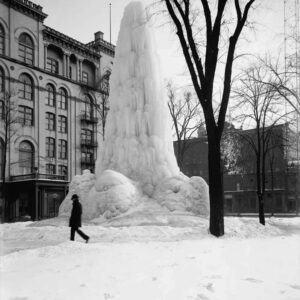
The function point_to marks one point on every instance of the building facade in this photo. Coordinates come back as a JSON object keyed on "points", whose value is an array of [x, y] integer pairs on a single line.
{"points": [[282, 182], [54, 87]]}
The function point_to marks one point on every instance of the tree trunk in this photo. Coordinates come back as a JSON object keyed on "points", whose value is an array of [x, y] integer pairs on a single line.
{"points": [[261, 209], [272, 189], [216, 226]]}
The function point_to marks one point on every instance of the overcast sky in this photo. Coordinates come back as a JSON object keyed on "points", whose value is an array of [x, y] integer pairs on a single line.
{"points": [[80, 19]]}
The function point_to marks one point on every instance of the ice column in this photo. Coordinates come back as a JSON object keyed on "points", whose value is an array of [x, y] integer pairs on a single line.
{"points": [[138, 140]]}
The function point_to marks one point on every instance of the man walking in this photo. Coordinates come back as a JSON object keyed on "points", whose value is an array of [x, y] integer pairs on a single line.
{"points": [[75, 219]]}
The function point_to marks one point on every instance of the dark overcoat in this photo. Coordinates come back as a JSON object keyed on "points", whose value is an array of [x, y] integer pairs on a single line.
{"points": [[75, 219]]}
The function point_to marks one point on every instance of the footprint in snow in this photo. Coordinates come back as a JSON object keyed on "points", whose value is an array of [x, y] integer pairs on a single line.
{"points": [[294, 286], [202, 297], [254, 280], [209, 287]]}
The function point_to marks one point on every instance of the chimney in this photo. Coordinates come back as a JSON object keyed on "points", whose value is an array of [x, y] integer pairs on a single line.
{"points": [[98, 36]]}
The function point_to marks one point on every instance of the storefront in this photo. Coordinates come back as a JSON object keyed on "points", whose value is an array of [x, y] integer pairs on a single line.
{"points": [[34, 199]]}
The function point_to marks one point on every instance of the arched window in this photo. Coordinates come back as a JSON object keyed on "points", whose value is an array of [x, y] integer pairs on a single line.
{"points": [[26, 157], [50, 97], [25, 87], [26, 49], [62, 99], [2, 40], [1, 156]]}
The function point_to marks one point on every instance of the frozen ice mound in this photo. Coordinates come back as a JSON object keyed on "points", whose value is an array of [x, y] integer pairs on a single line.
{"points": [[181, 193], [112, 194], [80, 185]]}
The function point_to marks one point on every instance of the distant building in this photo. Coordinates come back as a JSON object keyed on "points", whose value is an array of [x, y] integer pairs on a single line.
{"points": [[282, 174], [58, 84]]}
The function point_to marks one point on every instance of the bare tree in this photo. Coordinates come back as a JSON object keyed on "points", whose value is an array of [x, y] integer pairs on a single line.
{"points": [[231, 150], [259, 106], [103, 107], [9, 123], [186, 117], [202, 68]]}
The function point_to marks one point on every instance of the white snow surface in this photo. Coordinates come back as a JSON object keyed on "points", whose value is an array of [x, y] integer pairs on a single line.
{"points": [[180, 262]]}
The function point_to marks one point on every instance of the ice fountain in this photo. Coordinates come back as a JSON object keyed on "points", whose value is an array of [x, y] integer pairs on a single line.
{"points": [[136, 164]]}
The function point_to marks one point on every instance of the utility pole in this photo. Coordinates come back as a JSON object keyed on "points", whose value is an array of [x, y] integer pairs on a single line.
{"points": [[110, 23]]}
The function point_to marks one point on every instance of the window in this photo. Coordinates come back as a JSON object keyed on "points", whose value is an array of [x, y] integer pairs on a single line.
{"points": [[2, 112], [50, 98], [62, 124], [26, 157], [229, 204], [1, 90], [50, 121], [50, 147], [88, 108], [86, 135], [62, 99], [50, 169], [278, 202], [252, 203], [52, 65], [63, 170], [87, 155], [26, 48], [2, 40], [25, 115], [62, 149], [2, 82], [85, 77], [1, 155], [25, 87]]}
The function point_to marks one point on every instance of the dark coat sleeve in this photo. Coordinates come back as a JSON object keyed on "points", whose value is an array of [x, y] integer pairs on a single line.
{"points": [[75, 219]]}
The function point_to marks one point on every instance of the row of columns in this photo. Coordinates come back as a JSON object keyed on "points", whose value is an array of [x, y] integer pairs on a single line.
{"points": [[66, 65]]}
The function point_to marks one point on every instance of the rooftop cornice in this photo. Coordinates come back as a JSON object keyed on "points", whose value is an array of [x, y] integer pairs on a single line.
{"points": [[53, 36], [102, 45], [27, 7]]}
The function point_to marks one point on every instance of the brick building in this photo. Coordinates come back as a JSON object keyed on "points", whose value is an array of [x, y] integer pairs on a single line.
{"points": [[57, 85], [282, 175]]}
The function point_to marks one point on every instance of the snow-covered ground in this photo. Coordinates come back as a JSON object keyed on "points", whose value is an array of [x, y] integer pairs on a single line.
{"points": [[173, 262]]}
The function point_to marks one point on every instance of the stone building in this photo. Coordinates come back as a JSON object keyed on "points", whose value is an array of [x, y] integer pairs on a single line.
{"points": [[56, 88]]}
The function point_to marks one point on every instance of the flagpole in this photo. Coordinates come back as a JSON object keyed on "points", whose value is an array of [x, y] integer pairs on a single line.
{"points": [[110, 22]]}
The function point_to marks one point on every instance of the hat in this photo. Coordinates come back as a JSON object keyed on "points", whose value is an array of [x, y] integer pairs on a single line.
{"points": [[74, 196]]}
